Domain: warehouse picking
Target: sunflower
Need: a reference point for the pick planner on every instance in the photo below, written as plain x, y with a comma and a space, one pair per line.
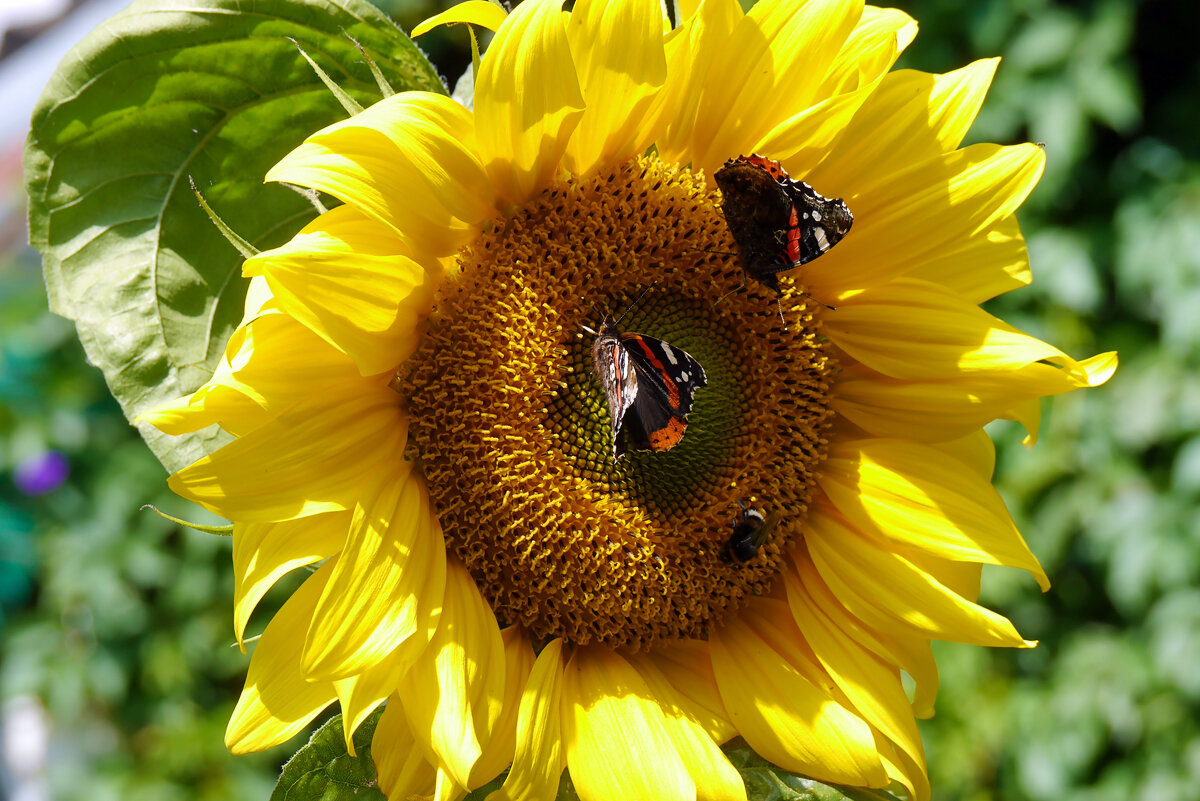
415, 410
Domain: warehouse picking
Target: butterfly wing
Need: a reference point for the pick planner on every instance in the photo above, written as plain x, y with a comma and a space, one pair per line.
668, 378
650, 427
758, 213
777, 222
649, 386
818, 222
666, 373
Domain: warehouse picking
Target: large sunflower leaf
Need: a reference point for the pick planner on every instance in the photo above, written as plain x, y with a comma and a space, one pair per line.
324, 771
212, 90
767, 782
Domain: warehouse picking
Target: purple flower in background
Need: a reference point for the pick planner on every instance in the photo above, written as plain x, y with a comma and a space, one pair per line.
42, 473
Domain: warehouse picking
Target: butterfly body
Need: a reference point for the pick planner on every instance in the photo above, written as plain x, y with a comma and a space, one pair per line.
649, 385
777, 222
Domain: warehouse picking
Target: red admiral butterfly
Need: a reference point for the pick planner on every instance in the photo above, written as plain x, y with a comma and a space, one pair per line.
649, 384
777, 222
750, 531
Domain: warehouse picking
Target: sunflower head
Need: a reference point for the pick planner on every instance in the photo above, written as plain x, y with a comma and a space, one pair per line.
504, 387
418, 406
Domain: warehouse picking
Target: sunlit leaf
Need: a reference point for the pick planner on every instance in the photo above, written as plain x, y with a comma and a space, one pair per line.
767, 782
323, 770
216, 91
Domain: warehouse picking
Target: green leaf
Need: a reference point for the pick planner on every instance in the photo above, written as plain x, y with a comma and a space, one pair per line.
479, 794
323, 769
167, 90
768, 782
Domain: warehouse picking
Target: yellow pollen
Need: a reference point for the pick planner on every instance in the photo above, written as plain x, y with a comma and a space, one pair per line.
512, 430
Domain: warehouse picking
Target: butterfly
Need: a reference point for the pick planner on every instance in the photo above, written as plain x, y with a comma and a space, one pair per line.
777, 222
649, 384
750, 530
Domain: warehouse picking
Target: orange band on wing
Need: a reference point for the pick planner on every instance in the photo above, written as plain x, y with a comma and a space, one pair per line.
672, 389
669, 436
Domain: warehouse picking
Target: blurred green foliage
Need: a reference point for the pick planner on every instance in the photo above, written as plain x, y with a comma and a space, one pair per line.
1107, 706
123, 630
119, 621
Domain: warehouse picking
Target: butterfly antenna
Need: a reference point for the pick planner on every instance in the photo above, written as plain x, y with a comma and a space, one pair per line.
588, 328
732, 291
636, 300
706, 250
818, 301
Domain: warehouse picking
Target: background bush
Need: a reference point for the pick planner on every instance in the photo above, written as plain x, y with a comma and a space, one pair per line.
117, 623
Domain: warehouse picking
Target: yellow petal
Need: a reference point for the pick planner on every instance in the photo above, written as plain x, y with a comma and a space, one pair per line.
940, 410
500, 740
690, 53
310, 459
869, 683
920, 496
870, 50
914, 655
476, 12
975, 449
912, 775
902, 649
715, 778
401, 769
188, 413
616, 736
271, 360
756, 80
618, 54
913, 117
265, 552
853, 79
928, 411
277, 701
688, 9
410, 162
980, 267
447, 789
916, 331
888, 591
527, 100
803, 138
450, 692
540, 756
345, 278
388, 585
687, 666
258, 299
781, 713
1029, 414
961, 578
358, 695
907, 217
